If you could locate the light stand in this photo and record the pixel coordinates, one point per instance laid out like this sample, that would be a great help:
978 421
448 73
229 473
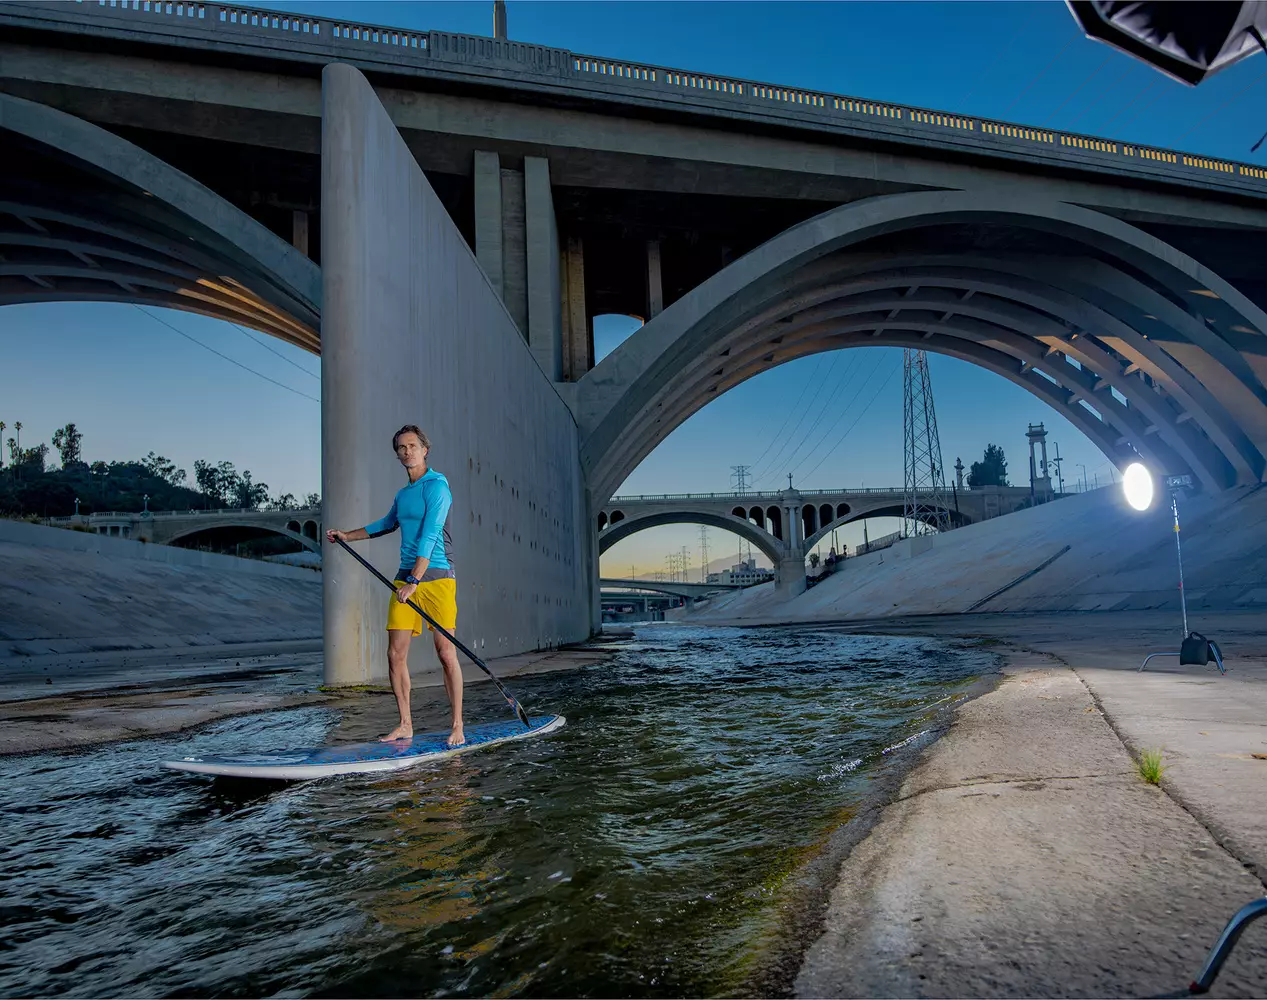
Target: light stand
1195 648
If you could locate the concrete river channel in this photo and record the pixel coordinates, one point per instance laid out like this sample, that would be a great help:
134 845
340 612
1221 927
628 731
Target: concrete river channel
677 838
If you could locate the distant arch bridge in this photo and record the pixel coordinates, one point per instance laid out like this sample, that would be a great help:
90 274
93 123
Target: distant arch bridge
785 525
170 527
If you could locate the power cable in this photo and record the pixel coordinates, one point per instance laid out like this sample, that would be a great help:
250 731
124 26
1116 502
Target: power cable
1126 107
786 420
293 364
1147 104
1041 73
1077 90
791 465
827 435
840 440
817 396
1107 91
1235 97
1035 10
159 319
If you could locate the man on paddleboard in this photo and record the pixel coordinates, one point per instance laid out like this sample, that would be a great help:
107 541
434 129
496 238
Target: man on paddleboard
421 511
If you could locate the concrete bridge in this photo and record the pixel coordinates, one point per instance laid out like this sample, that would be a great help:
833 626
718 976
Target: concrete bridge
785 525
167 527
676 588
470 212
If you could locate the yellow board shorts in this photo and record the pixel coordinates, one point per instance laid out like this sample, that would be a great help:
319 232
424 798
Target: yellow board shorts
438 598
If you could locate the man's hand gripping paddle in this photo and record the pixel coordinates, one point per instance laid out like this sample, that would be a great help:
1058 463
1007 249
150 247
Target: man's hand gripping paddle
510 698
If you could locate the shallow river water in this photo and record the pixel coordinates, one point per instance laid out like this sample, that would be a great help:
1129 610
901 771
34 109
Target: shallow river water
652 847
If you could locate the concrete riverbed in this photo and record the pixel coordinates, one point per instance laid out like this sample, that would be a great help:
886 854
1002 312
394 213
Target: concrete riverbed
1025 856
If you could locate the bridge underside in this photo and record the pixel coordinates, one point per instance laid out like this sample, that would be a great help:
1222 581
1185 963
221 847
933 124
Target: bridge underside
87 216
1142 349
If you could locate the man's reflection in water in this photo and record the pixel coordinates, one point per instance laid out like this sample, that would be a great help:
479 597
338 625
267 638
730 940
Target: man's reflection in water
426 856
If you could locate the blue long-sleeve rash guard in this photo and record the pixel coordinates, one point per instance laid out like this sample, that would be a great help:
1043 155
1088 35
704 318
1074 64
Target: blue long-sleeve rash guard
421 511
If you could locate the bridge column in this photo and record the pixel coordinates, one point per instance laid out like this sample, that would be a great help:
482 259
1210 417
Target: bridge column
790 572
488 216
541 233
412 333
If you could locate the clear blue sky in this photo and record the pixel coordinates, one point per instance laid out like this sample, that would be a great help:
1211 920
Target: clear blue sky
133 385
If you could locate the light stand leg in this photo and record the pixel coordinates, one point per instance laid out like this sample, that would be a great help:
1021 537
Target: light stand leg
1183 598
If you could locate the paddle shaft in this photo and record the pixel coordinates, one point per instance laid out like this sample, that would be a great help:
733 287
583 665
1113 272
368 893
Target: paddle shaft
514 702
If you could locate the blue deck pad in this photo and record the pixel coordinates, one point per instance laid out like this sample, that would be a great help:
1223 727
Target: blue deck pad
354 758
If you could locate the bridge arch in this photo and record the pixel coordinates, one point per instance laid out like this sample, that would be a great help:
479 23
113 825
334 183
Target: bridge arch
889 510
99 219
1146 351
309 543
770 546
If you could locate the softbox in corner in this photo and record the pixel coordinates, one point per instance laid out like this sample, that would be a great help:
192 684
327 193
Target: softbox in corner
1186 40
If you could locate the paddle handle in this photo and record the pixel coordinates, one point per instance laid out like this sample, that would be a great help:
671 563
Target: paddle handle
510 698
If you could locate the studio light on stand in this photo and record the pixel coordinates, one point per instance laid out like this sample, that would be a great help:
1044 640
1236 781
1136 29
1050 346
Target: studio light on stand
1137 485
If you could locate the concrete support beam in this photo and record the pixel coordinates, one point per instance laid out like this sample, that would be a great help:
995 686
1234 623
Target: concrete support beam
488 216
545 307
578 335
412 333
299 232
514 248
655 283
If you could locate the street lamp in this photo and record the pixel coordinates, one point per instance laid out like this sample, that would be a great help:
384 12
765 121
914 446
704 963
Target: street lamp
1084 475
146 498
76 506
1137 486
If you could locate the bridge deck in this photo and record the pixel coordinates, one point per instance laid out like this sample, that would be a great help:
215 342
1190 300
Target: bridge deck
282 37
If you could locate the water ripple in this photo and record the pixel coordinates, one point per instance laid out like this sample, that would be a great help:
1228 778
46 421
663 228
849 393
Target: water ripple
642 850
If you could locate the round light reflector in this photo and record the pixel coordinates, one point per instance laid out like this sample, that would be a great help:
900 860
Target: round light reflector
1137 485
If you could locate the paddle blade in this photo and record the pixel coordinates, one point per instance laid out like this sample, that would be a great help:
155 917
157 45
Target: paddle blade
519 711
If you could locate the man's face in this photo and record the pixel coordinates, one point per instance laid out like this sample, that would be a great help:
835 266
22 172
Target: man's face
410 450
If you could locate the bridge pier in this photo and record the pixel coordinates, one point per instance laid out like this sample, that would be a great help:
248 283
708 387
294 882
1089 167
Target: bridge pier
413 332
789 575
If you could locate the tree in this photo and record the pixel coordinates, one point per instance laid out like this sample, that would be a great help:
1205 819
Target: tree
813 560
284 501
990 471
249 494
33 460
163 468
312 500
3 425
219 483
67 441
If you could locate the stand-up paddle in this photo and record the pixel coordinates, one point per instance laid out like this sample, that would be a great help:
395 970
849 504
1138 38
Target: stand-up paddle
362 758
510 698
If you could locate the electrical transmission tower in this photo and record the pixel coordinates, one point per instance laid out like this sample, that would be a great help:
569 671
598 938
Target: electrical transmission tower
924 489
703 552
739 473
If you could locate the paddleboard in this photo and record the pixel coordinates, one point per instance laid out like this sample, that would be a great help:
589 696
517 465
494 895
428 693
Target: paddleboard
362 758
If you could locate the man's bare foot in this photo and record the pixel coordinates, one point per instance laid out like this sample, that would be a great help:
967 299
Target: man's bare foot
456 736
401 732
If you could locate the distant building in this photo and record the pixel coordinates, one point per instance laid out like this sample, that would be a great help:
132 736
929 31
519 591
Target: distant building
744 573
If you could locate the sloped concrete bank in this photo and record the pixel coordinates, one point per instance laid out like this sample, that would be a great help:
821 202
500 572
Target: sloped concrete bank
107 638
1082 553
1025 856
69 592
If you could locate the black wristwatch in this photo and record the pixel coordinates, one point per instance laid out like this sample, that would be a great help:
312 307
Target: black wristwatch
412 579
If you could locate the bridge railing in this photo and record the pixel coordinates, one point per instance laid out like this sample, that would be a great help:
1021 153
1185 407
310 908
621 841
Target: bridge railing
774 496
883 542
108 515
666 82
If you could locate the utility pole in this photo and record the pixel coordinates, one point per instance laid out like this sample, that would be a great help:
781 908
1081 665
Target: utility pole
1056 462
924 502
684 561
739 475
703 552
